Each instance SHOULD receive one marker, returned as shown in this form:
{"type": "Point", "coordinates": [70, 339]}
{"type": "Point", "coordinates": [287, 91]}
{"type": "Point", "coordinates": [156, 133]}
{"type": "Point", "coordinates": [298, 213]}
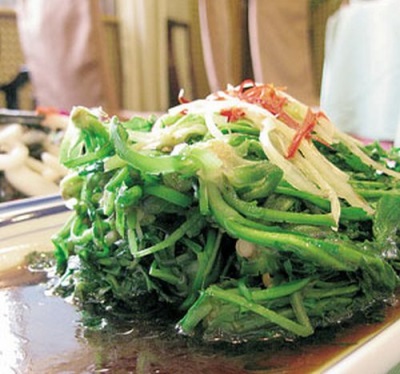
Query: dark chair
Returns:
{"type": "Point", "coordinates": [15, 88]}
{"type": "Point", "coordinates": [12, 88]}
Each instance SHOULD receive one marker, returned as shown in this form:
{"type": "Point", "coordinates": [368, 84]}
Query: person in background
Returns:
{"type": "Point", "coordinates": [64, 47]}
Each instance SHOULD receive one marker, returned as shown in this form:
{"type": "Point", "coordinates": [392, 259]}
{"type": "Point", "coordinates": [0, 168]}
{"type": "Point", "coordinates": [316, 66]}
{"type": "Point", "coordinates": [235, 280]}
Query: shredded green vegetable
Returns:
{"type": "Point", "coordinates": [247, 213]}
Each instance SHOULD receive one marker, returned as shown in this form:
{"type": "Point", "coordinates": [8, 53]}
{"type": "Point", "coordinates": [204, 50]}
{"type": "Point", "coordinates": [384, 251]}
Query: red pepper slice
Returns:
{"type": "Point", "coordinates": [288, 121]}
{"type": "Point", "coordinates": [264, 95]}
{"type": "Point", "coordinates": [268, 97]}
{"type": "Point", "coordinates": [246, 82]}
{"type": "Point", "coordinates": [272, 101]}
{"type": "Point", "coordinates": [303, 132]}
{"type": "Point", "coordinates": [182, 99]}
{"type": "Point", "coordinates": [233, 114]}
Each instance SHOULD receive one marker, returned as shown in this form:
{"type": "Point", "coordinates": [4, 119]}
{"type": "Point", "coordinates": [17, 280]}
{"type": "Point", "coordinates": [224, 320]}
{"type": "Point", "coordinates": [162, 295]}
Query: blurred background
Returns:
{"type": "Point", "coordinates": [155, 47]}
{"type": "Point", "coordinates": [136, 55]}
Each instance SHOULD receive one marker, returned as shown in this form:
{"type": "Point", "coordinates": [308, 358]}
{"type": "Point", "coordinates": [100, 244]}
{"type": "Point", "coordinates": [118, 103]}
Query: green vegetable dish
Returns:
{"type": "Point", "coordinates": [247, 214]}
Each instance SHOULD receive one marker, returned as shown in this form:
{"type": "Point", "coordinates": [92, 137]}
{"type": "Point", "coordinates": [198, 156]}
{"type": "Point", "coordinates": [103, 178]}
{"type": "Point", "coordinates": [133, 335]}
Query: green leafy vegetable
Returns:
{"type": "Point", "coordinates": [248, 214]}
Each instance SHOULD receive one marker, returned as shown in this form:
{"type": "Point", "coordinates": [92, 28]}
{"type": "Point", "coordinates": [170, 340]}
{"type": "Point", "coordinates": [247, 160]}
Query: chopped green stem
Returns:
{"type": "Point", "coordinates": [285, 323]}
{"type": "Point", "coordinates": [166, 275]}
{"type": "Point", "coordinates": [108, 202]}
{"type": "Point", "coordinates": [131, 222]}
{"type": "Point", "coordinates": [139, 160]}
{"type": "Point", "coordinates": [171, 239]}
{"type": "Point", "coordinates": [244, 290]}
{"type": "Point", "coordinates": [203, 198]}
{"type": "Point", "coordinates": [219, 208]}
{"type": "Point", "coordinates": [251, 210]}
{"type": "Point", "coordinates": [86, 142]}
{"type": "Point", "coordinates": [296, 300]}
{"type": "Point", "coordinates": [79, 232]}
{"type": "Point", "coordinates": [321, 253]}
{"type": "Point", "coordinates": [120, 219]}
{"type": "Point", "coordinates": [346, 213]}
{"type": "Point", "coordinates": [323, 293]}
{"type": "Point", "coordinates": [198, 311]}
{"type": "Point", "coordinates": [129, 197]}
{"type": "Point", "coordinates": [276, 292]}
{"type": "Point", "coordinates": [195, 247]}
{"type": "Point", "coordinates": [239, 128]}
{"type": "Point", "coordinates": [316, 200]}
{"type": "Point", "coordinates": [239, 227]}
{"type": "Point", "coordinates": [335, 255]}
{"type": "Point", "coordinates": [206, 260]}
{"type": "Point", "coordinates": [117, 179]}
{"type": "Point", "coordinates": [374, 185]}
{"type": "Point", "coordinates": [376, 194]}
{"type": "Point", "coordinates": [169, 194]}
{"type": "Point", "coordinates": [323, 306]}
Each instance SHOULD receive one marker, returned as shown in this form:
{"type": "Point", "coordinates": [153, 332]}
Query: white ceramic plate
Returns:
{"type": "Point", "coordinates": [29, 224]}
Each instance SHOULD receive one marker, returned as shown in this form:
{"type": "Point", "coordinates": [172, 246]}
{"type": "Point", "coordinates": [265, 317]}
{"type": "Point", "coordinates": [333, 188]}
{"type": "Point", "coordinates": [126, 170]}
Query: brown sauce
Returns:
{"type": "Point", "coordinates": [45, 335]}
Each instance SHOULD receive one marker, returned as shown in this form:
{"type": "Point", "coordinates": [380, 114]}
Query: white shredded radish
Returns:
{"type": "Point", "coordinates": [11, 133]}
{"type": "Point", "coordinates": [28, 175]}
{"type": "Point", "coordinates": [314, 174]}
{"type": "Point", "coordinates": [325, 130]}
{"type": "Point", "coordinates": [44, 170]}
{"type": "Point", "coordinates": [292, 174]}
{"type": "Point", "coordinates": [35, 165]}
{"type": "Point", "coordinates": [336, 178]}
{"type": "Point", "coordinates": [29, 182]}
{"type": "Point", "coordinates": [15, 157]}
{"type": "Point", "coordinates": [212, 127]}
{"type": "Point", "coordinates": [50, 175]}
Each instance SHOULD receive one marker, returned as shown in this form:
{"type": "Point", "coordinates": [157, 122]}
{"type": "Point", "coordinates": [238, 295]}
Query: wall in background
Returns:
{"type": "Point", "coordinates": [148, 71]}
{"type": "Point", "coordinates": [161, 52]}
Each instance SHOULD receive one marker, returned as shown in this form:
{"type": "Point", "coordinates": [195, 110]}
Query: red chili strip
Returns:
{"type": "Point", "coordinates": [233, 114]}
{"type": "Point", "coordinates": [243, 88]}
{"type": "Point", "coordinates": [182, 99]}
{"type": "Point", "coordinates": [268, 97]}
{"type": "Point", "coordinates": [304, 132]}
{"type": "Point", "coordinates": [288, 121]}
